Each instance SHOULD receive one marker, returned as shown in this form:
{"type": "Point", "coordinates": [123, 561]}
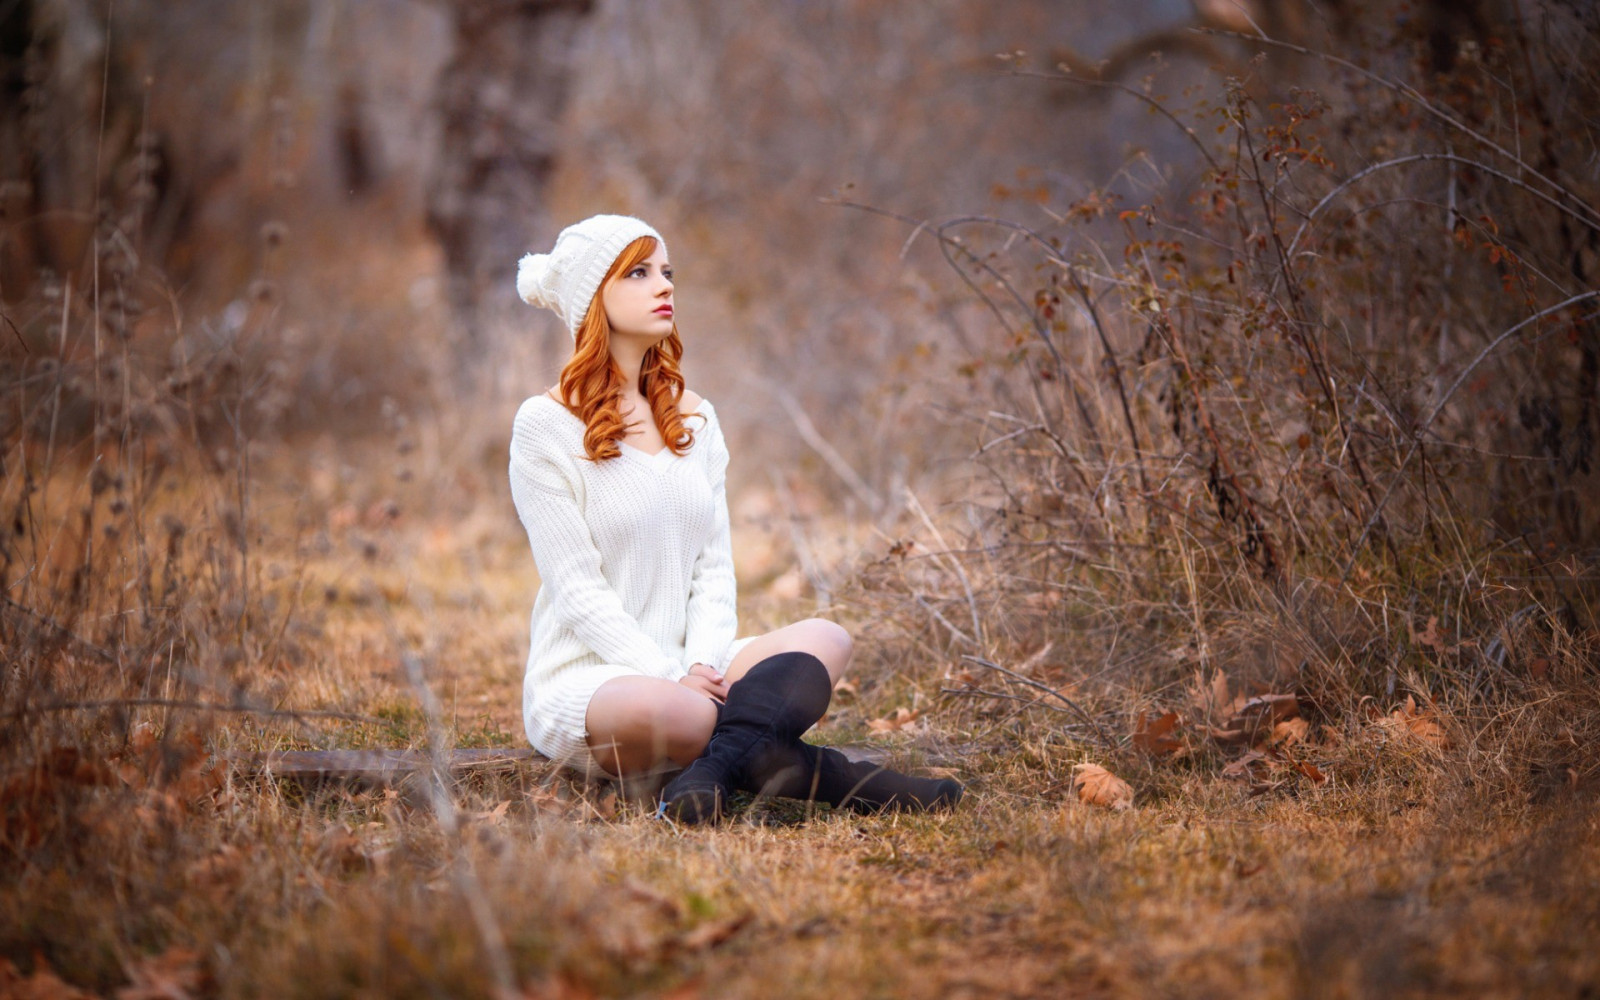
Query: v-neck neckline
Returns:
{"type": "Point", "coordinates": [654, 458]}
{"type": "Point", "coordinates": [648, 456]}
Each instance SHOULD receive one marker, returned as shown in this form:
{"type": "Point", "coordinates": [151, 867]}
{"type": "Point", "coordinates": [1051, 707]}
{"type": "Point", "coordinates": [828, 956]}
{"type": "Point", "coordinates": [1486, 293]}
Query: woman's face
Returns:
{"type": "Point", "coordinates": [638, 302]}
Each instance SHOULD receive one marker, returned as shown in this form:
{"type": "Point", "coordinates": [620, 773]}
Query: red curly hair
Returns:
{"type": "Point", "coordinates": [591, 382]}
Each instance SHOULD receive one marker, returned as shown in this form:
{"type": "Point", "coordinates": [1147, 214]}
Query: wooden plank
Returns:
{"type": "Point", "coordinates": [387, 767]}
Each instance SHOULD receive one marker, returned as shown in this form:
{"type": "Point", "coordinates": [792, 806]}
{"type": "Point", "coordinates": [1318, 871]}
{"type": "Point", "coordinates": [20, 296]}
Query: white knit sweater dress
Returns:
{"type": "Point", "coordinates": [635, 566]}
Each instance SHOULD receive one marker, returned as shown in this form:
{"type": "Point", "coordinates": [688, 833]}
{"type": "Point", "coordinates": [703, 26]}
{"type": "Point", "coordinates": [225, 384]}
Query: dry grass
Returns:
{"type": "Point", "coordinates": [134, 852]}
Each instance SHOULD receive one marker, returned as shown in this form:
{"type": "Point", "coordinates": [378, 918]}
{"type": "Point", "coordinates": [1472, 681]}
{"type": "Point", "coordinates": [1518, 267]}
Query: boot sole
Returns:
{"type": "Point", "coordinates": [694, 808]}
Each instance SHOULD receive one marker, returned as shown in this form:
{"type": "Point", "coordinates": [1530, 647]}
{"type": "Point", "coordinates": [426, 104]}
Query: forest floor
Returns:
{"type": "Point", "coordinates": [1394, 875]}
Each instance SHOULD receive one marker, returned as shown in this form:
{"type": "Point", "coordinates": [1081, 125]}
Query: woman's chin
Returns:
{"type": "Point", "coordinates": [650, 335]}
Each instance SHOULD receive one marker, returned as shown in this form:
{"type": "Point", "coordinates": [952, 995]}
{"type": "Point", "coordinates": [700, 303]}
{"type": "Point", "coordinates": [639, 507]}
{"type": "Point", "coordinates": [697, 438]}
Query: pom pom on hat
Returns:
{"type": "Point", "coordinates": [566, 279]}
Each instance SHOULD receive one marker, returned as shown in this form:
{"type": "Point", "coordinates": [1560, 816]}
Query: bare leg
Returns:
{"type": "Point", "coordinates": [639, 724]}
{"type": "Point", "coordinates": [827, 641]}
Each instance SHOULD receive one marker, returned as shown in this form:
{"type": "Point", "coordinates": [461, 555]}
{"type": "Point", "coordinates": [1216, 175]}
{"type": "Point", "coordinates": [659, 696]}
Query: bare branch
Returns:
{"type": "Point", "coordinates": [1411, 94]}
{"type": "Point", "coordinates": [1107, 741]}
{"type": "Point", "coordinates": [1438, 408]}
{"type": "Point", "coordinates": [1424, 157]}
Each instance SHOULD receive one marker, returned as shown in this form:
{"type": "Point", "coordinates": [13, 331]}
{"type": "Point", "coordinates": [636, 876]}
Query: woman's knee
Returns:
{"type": "Point", "coordinates": [828, 640]}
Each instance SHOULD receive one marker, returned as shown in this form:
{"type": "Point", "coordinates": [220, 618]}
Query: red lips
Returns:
{"type": "Point", "coordinates": [664, 310]}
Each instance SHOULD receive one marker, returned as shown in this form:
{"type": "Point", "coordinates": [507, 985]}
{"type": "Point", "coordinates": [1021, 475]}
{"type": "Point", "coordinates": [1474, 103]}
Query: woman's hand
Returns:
{"type": "Point", "coordinates": [707, 681]}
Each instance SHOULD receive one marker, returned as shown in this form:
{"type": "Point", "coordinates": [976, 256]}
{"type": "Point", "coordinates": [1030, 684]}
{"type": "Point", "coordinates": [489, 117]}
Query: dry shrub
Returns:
{"type": "Point", "coordinates": [135, 610]}
{"type": "Point", "coordinates": [1322, 422]}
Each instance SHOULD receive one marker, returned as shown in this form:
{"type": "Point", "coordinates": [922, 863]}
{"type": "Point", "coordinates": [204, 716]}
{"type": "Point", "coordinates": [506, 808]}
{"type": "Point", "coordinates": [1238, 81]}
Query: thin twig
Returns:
{"type": "Point", "coordinates": [1107, 741]}
{"type": "Point", "coordinates": [464, 874]}
{"type": "Point", "coordinates": [942, 620]}
{"type": "Point", "coordinates": [1031, 702]}
{"type": "Point", "coordinates": [961, 574]}
{"type": "Point", "coordinates": [1116, 371]}
{"type": "Point", "coordinates": [1361, 174]}
{"type": "Point", "coordinates": [17, 332]}
{"type": "Point", "coordinates": [1066, 75]}
{"type": "Point", "coordinates": [100, 651]}
{"type": "Point", "coordinates": [802, 545]}
{"type": "Point", "coordinates": [811, 436]}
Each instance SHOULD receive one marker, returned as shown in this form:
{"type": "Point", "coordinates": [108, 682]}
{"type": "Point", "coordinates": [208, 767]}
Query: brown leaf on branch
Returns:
{"type": "Point", "coordinates": [1098, 787]}
{"type": "Point", "coordinates": [1154, 734]}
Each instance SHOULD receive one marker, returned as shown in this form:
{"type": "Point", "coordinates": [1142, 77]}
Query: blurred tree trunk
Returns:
{"type": "Point", "coordinates": [500, 97]}
{"type": "Point", "coordinates": [52, 64]}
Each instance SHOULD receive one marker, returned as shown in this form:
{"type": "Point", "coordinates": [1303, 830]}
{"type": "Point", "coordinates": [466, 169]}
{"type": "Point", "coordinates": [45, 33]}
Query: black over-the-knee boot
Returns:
{"type": "Point", "coordinates": [756, 747]}
{"type": "Point", "coordinates": [823, 774]}
{"type": "Point", "coordinates": [772, 704]}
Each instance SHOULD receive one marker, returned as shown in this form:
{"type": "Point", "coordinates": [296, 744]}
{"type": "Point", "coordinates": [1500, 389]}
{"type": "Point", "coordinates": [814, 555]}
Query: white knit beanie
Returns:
{"type": "Point", "coordinates": [567, 278]}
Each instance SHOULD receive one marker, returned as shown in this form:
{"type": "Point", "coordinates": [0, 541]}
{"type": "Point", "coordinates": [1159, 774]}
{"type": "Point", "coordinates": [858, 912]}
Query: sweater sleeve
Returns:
{"type": "Point", "coordinates": [713, 592]}
{"type": "Point", "coordinates": [569, 562]}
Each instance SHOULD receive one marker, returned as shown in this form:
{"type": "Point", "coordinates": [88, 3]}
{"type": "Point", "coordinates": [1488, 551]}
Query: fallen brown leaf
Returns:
{"type": "Point", "coordinates": [1429, 636]}
{"type": "Point", "coordinates": [1245, 766]}
{"type": "Point", "coordinates": [1409, 721]}
{"type": "Point", "coordinates": [963, 679]}
{"type": "Point", "coordinates": [1311, 771]}
{"type": "Point", "coordinates": [1154, 734]}
{"type": "Point", "coordinates": [1098, 787]}
{"type": "Point", "coordinates": [713, 933]}
{"type": "Point", "coordinates": [1256, 718]}
{"type": "Point", "coordinates": [1209, 697]}
{"type": "Point", "coordinates": [494, 816]}
{"type": "Point", "coordinates": [175, 974]}
{"type": "Point", "coordinates": [1228, 737]}
{"type": "Point", "coordinates": [902, 719]}
{"type": "Point", "coordinates": [1027, 666]}
{"type": "Point", "coordinates": [44, 984]}
{"type": "Point", "coordinates": [1289, 732]}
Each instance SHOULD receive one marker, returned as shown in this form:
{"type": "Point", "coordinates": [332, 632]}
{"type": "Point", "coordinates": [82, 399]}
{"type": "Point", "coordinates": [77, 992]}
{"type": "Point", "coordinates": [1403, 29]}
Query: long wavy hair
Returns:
{"type": "Point", "coordinates": [591, 382]}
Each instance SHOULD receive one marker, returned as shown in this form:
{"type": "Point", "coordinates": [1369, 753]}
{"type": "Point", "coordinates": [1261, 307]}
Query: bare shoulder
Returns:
{"type": "Point", "coordinates": [690, 401]}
